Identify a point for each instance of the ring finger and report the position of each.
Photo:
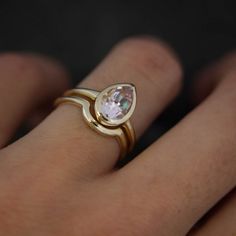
(146, 63)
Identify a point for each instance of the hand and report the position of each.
(60, 179)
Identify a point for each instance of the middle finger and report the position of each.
(189, 169)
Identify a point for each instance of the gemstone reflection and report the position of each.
(116, 103)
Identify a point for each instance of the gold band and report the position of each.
(86, 99)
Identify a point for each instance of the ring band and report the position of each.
(107, 112)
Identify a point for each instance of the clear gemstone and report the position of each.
(116, 103)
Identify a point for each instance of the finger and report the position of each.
(208, 78)
(37, 116)
(222, 222)
(26, 82)
(187, 171)
(146, 63)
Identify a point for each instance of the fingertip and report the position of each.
(208, 78)
(56, 74)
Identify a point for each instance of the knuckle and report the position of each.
(151, 59)
(133, 219)
(125, 225)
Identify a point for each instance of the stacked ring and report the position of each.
(107, 112)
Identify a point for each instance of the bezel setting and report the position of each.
(99, 104)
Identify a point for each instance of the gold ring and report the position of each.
(108, 112)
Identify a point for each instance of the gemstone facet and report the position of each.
(116, 103)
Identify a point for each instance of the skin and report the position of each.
(60, 178)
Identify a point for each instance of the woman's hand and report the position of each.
(60, 179)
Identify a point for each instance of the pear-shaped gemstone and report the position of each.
(116, 102)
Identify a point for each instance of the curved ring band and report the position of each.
(87, 99)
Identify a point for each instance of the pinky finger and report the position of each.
(27, 82)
